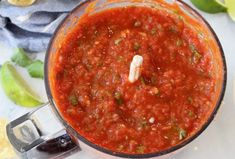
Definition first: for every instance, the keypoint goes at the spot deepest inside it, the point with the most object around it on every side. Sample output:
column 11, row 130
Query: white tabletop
column 216, row 142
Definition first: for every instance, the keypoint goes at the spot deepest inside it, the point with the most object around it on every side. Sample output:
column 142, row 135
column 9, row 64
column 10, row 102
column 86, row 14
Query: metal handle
column 40, row 134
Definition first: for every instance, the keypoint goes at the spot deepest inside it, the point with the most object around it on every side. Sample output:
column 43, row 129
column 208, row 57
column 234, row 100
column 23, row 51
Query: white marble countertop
column 217, row 141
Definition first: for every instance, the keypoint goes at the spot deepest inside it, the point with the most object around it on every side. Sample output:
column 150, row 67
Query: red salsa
column 167, row 104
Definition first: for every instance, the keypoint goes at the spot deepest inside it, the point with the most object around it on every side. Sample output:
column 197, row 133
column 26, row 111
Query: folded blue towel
column 31, row 27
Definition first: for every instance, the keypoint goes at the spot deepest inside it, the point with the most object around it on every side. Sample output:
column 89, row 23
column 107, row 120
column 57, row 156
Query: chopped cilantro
column 179, row 42
column 140, row 149
column 192, row 47
column 190, row 114
column 142, row 80
column 173, row 29
column 181, row 17
column 136, row 46
column 196, row 56
column 117, row 41
column 118, row 98
column 153, row 31
column 190, row 100
column 143, row 123
column 182, row 133
column 73, row 100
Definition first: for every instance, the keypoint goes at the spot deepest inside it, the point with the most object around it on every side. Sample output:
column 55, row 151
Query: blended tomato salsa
column 167, row 104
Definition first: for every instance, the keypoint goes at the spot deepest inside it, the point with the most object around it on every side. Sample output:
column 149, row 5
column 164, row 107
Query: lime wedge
column 231, row 8
column 210, row 6
column 21, row 3
column 16, row 87
column 36, row 69
column 21, row 58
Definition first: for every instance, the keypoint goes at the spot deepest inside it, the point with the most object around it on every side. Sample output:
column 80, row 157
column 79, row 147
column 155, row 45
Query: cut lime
column 36, row 69
column 16, row 88
column 231, row 8
column 210, row 6
column 21, row 58
column 21, row 3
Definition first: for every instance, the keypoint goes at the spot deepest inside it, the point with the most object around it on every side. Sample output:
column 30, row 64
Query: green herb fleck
column 173, row 29
column 142, row 80
column 180, row 17
column 196, row 56
column 140, row 149
column 137, row 23
column 192, row 47
column 179, row 42
column 175, row 11
column 138, row 87
column 143, row 123
column 136, row 46
column 178, row 13
column 182, row 134
column 73, row 100
column 200, row 33
column 117, row 41
column 190, row 100
column 118, row 98
column 190, row 114
column 153, row 31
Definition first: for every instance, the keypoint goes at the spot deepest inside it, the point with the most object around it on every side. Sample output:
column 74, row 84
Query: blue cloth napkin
column 31, row 27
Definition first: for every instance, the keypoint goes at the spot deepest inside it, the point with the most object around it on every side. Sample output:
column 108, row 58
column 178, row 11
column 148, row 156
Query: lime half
column 231, row 8
column 16, row 87
column 210, row 6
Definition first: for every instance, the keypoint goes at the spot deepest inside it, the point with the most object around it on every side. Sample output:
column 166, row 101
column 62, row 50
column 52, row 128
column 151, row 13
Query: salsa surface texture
column 169, row 102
